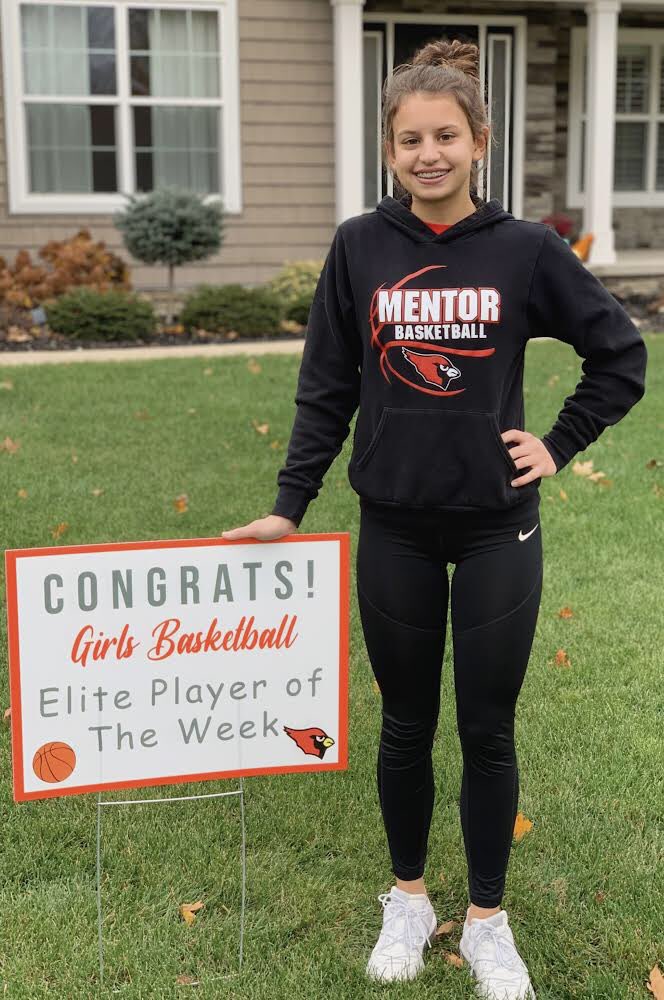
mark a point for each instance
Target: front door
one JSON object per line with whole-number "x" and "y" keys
{"x": 390, "y": 43}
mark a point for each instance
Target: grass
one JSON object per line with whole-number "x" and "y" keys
{"x": 584, "y": 884}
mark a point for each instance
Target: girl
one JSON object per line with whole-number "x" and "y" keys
{"x": 421, "y": 317}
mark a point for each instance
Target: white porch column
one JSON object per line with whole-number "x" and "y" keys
{"x": 602, "y": 16}
{"x": 348, "y": 108}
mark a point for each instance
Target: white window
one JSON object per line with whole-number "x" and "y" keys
{"x": 638, "y": 163}
{"x": 103, "y": 97}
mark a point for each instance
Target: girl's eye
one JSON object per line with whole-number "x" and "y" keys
{"x": 445, "y": 135}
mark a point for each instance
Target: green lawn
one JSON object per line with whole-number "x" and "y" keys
{"x": 584, "y": 886}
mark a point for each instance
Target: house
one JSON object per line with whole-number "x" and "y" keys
{"x": 274, "y": 105}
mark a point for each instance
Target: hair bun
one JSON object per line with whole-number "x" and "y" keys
{"x": 463, "y": 56}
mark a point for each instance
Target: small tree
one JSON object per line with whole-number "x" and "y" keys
{"x": 170, "y": 226}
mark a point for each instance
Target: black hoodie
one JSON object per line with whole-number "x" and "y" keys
{"x": 427, "y": 333}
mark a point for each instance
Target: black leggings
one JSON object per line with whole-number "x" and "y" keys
{"x": 403, "y": 589}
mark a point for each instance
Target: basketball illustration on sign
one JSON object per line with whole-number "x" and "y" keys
{"x": 54, "y": 762}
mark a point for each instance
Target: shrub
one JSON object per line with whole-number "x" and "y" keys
{"x": 299, "y": 309}
{"x": 88, "y": 315}
{"x": 71, "y": 263}
{"x": 170, "y": 226}
{"x": 296, "y": 279}
{"x": 222, "y": 308}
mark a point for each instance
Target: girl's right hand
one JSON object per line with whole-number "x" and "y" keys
{"x": 266, "y": 529}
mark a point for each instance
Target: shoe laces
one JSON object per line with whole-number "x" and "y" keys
{"x": 416, "y": 932}
{"x": 506, "y": 952}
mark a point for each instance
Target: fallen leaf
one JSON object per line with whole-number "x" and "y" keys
{"x": 565, "y": 613}
{"x": 275, "y": 444}
{"x": 563, "y": 495}
{"x": 583, "y": 468}
{"x": 596, "y": 475}
{"x": 185, "y": 980}
{"x": 7, "y": 714}
{"x": 74, "y": 458}
{"x": 96, "y": 493}
{"x": 142, "y": 415}
{"x": 60, "y": 529}
{"x": 253, "y": 366}
{"x": 445, "y": 928}
{"x": 600, "y": 897}
{"x": 188, "y": 911}
{"x": 562, "y": 659}
{"x": 261, "y": 428}
{"x": 453, "y": 959}
{"x": 656, "y": 983}
{"x": 207, "y": 371}
{"x": 658, "y": 490}
{"x": 16, "y": 335}
{"x": 605, "y": 482}
{"x": 522, "y": 825}
{"x": 654, "y": 463}
{"x": 11, "y": 447}
{"x": 22, "y": 494}
{"x": 553, "y": 379}
{"x": 181, "y": 503}
{"x": 6, "y": 384}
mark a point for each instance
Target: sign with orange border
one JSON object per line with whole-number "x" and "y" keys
{"x": 159, "y": 662}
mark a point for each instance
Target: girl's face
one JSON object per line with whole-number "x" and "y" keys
{"x": 432, "y": 153}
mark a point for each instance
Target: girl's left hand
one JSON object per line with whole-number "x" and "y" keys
{"x": 530, "y": 451}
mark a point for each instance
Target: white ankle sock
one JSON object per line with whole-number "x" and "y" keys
{"x": 411, "y": 896}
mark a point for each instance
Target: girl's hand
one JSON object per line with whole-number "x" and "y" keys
{"x": 530, "y": 451}
{"x": 266, "y": 529}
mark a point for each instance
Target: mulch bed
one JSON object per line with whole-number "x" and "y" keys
{"x": 639, "y": 307}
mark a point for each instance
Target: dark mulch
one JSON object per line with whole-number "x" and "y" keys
{"x": 639, "y": 307}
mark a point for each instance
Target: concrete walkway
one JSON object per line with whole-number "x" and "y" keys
{"x": 150, "y": 353}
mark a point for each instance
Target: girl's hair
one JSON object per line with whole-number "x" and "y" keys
{"x": 438, "y": 67}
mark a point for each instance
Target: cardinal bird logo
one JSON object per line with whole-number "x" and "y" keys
{"x": 435, "y": 369}
{"x": 313, "y": 741}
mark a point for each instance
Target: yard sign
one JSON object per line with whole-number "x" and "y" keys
{"x": 156, "y": 662}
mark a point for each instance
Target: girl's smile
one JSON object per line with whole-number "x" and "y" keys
{"x": 430, "y": 177}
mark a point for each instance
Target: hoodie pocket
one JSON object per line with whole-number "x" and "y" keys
{"x": 435, "y": 457}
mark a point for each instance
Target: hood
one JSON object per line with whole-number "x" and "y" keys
{"x": 398, "y": 213}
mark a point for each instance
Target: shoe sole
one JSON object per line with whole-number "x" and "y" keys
{"x": 385, "y": 979}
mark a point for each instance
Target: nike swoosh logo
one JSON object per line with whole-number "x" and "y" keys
{"x": 523, "y": 537}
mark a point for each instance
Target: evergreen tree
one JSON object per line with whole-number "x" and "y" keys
{"x": 170, "y": 226}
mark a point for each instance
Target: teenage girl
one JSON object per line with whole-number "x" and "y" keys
{"x": 421, "y": 317}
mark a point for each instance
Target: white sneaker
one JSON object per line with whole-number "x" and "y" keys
{"x": 409, "y": 926}
{"x": 488, "y": 946}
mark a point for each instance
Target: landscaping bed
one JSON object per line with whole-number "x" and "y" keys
{"x": 647, "y": 312}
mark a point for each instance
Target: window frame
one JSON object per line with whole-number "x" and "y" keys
{"x": 654, "y": 38}
{"x": 22, "y": 201}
